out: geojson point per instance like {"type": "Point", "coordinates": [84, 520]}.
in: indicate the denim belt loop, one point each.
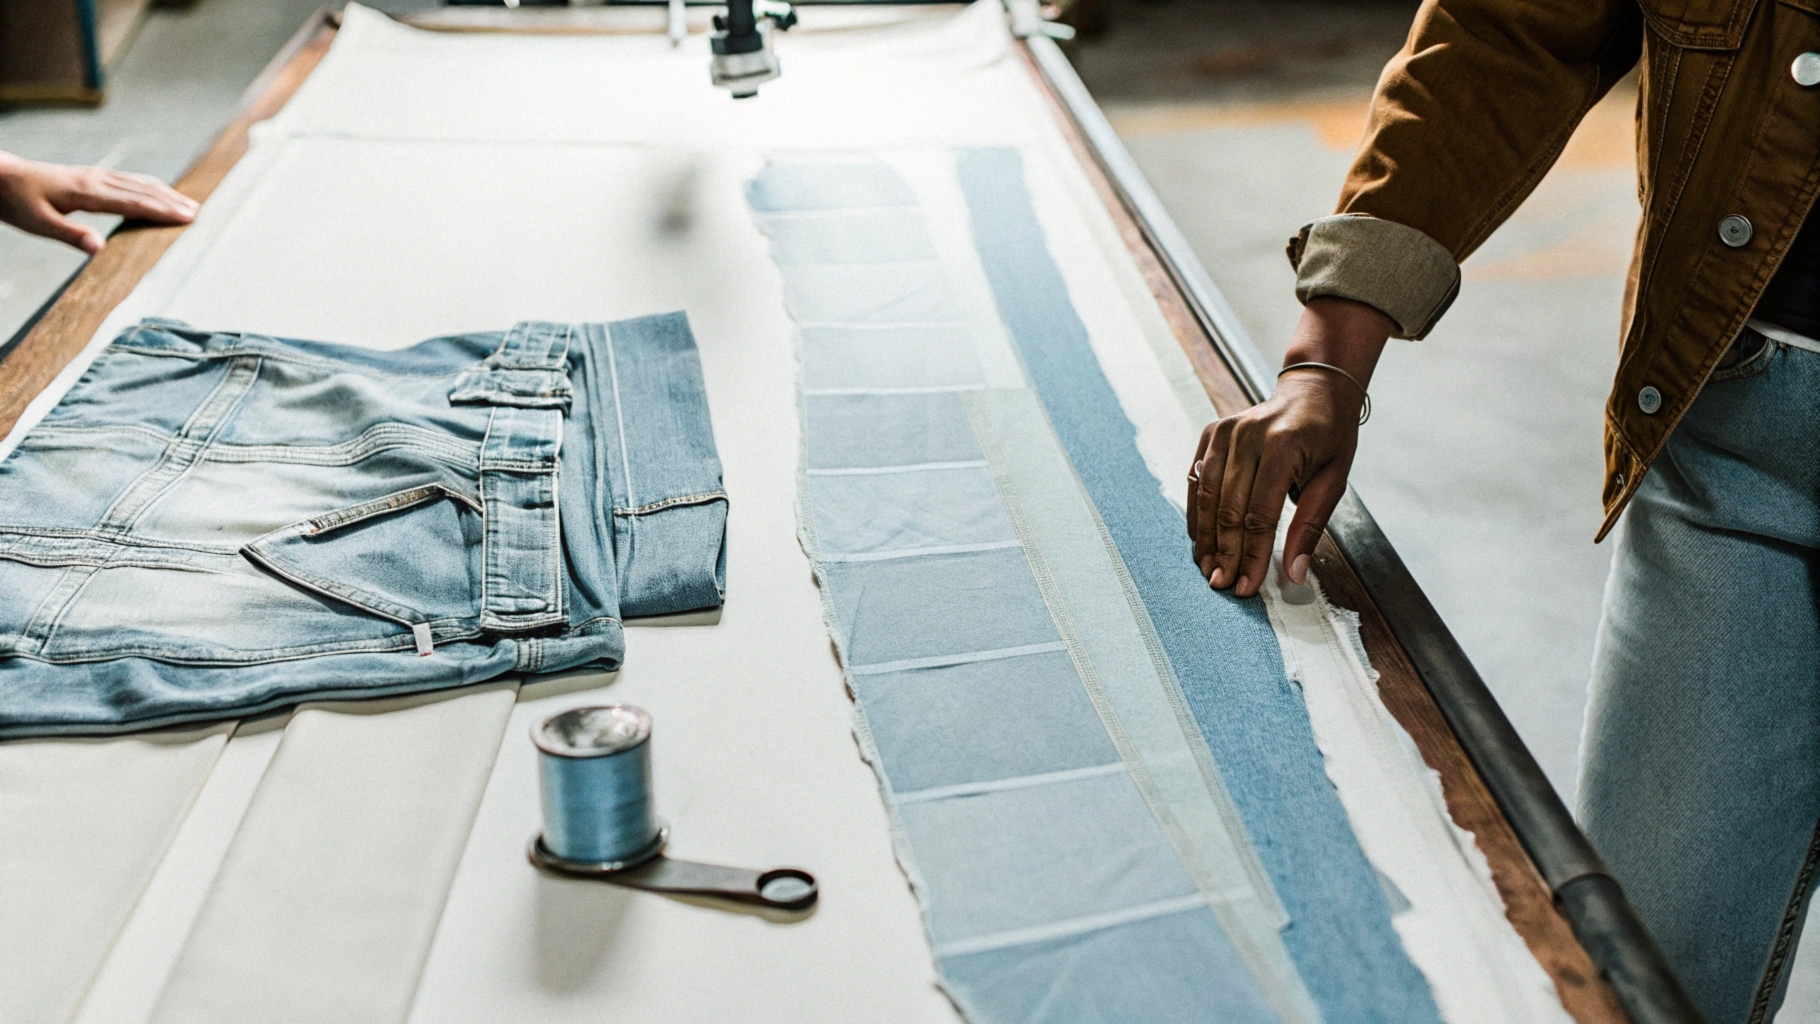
{"type": "Point", "coordinates": [527, 381]}
{"type": "Point", "coordinates": [530, 370]}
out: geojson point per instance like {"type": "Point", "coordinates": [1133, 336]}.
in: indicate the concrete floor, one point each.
{"type": "Point", "coordinates": [1482, 458]}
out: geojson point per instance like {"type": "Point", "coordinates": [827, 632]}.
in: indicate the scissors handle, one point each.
{"type": "Point", "coordinates": [778, 888]}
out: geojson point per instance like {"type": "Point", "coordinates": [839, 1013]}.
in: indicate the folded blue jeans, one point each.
{"type": "Point", "coordinates": [1700, 779]}
{"type": "Point", "coordinates": [213, 524]}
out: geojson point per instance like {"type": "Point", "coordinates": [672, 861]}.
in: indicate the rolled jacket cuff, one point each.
{"type": "Point", "coordinates": [1395, 269]}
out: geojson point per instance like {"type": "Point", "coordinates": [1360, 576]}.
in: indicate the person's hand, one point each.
{"type": "Point", "coordinates": [35, 197]}
{"type": "Point", "coordinates": [1304, 436]}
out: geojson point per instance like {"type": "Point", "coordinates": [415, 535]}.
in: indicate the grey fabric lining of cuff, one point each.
{"type": "Point", "coordinates": [1395, 269]}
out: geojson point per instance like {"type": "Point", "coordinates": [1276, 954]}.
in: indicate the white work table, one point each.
{"type": "Point", "coordinates": [422, 183]}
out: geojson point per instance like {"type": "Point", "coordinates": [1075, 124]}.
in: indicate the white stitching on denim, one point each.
{"type": "Point", "coordinates": [277, 353]}
{"type": "Point", "coordinates": [375, 439]}
{"type": "Point", "coordinates": [685, 499]}
{"type": "Point", "coordinates": [109, 537]}
{"type": "Point", "coordinates": [393, 502]}
{"type": "Point", "coordinates": [619, 416]}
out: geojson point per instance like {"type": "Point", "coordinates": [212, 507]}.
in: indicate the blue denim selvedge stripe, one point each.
{"type": "Point", "coordinates": [1223, 650]}
{"type": "Point", "coordinates": [346, 425]}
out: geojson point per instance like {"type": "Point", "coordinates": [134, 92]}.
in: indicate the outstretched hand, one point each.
{"type": "Point", "coordinates": [1304, 436]}
{"type": "Point", "coordinates": [37, 197]}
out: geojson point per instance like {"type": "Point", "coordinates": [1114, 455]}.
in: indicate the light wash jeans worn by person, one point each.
{"type": "Point", "coordinates": [1700, 781]}
{"type": "Point", "coordinates": [211, 524]}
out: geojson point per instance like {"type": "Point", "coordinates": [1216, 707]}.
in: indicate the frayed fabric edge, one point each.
{"type": "Point", "coordinates": [1454, 927]}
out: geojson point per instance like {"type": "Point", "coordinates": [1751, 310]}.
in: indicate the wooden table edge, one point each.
{"type": "Point", "coordinates": [68, 324]}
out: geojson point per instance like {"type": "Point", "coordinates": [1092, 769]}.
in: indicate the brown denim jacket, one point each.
{"type": "Point", "coordinates": [1481, 101]}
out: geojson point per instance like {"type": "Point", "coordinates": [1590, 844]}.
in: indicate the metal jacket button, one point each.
{"type": "Point", "coordinates": [1735, 231]}
{"type": "Point", "coordinates": [1806, 69]}
{"type": "Point", "coordinates": [1649, 400]}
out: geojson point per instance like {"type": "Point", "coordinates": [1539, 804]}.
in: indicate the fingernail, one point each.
{"type": "Point", "coordinates": [1298, 570]}
{"type": "Point", "coordinates": [1244, 587]}
{"type": "Point", "coordinates": [1217, 577]}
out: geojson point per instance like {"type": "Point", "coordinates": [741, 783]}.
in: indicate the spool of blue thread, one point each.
{"type": "Point", "coordinates": [595, 768]}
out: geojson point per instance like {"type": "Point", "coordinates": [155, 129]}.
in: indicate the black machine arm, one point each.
{"type": "Point", "coordinates": [743, 57]}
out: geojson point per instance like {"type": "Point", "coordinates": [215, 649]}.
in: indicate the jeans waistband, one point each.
{"type": "Point", "coordinates": [1782, 334]}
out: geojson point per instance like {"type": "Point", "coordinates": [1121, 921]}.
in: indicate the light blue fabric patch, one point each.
{"type": "Point", "coordinates": [851, 358]}
{"type": "Point", "coordinates": [849, 186]}
{"type": "Point", "coordinates": [872, 513]}
{"type": "Point", "coordinates": [893, 234]}
{"type": "Point", "coordinates": [981, 721]}
{"type": "Point", "coordinates": [1169, 968]}
{"type": "Point", "coordinates": [1037, 856]}
{"type": "Point", "coordinates": [910, 608]}
{"type": "Point", "coordinates": [869, 432]}
{"type": "Point", "coordinates": [870, 295]}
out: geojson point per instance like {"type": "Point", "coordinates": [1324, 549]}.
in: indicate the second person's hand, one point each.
{"type": "Point", "coordinates": [1303, 436]}
{"type": "Point", "coordinates": [38, 197]}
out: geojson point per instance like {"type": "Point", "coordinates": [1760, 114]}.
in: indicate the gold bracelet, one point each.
{"type": "Point", "coordinates": [1364, 412]}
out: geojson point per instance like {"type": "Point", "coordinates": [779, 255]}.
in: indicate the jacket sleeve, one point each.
{"type": "Point", "coordinates": [1466, 120]}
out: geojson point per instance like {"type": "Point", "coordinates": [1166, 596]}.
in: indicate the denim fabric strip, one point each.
{"type": "Point", "coordinates": [1222, 650]}
{"type": "Point", "coordinates": [1025, 836]}
{"type": "Point", "coordinates": [1122, 666]}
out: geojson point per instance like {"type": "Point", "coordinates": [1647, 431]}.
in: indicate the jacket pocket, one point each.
{"type": "Point", "coordinates": [1699, 24]}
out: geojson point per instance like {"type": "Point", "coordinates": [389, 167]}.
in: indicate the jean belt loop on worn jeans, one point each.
{"type": "Point", "coordinates": [526, 381]}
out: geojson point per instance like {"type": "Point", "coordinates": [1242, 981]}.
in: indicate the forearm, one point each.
{"type": "Point", "coordinates": [1465, 121]}
{"type": "Point", "coordinates": [1342, 333]}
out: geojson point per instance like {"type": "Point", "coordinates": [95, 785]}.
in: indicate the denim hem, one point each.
{"type": "Point", "coordinates": [443, 630]}
{"type": "Point", "coordinates": [1770, 988]}
{"type": "Point", "coordinates": [597, 644]}
{"type": "Point", "coordinates": [50, 726]}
